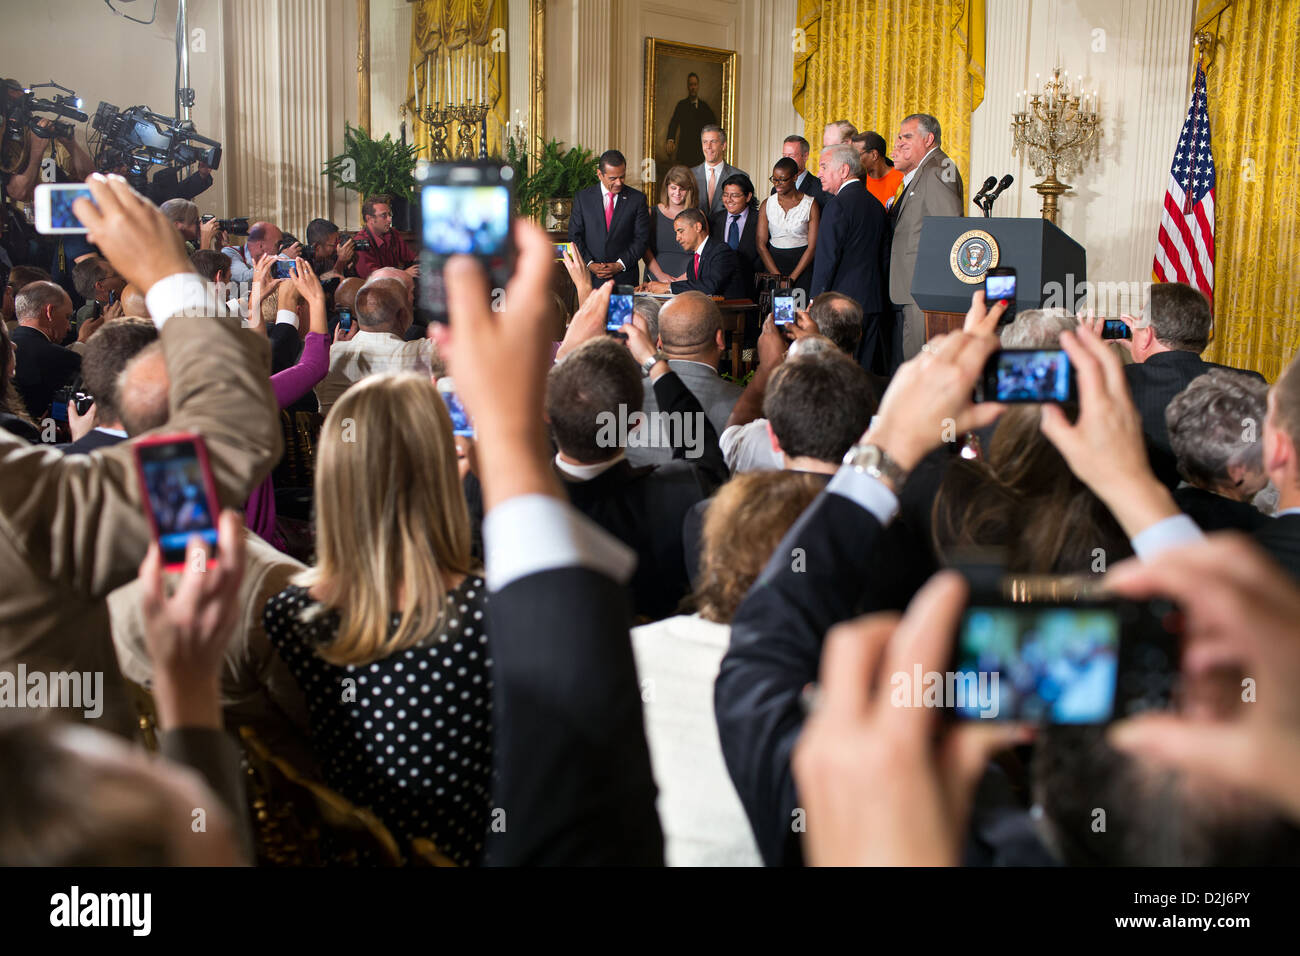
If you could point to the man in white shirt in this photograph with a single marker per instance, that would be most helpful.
(713, 172)
(382, 318)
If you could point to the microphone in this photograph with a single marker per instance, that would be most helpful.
(988, 184)
(1007, 180)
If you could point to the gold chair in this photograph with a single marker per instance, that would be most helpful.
(146, 714)
(300, 822)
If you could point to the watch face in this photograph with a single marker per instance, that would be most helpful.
(869, 457)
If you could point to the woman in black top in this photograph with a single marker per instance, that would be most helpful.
(386, 634)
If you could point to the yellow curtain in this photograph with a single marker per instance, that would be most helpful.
(872, 62)
(1255, 133)
(465, 33)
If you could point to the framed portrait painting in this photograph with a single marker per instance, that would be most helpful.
(687, 87)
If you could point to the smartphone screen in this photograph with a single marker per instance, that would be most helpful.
(1000, 283)
(282, 269)
(345, 320)
(620, 308)
(561, 248)
(783, 309)
(460, 423)
(465, 210)
(1116, 329)
(54, 213)
(1027, 377)
(179, 496)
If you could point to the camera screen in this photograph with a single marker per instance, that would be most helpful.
(999, 287)
(61, 214)
(1033, 376)
(466, 219)
(282, 269)
(1116, 329)
(783, 309)
(460, 424)
(620, 312)
(178, 497)
(1047, 665)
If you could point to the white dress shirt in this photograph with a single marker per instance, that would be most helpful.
(604, 201)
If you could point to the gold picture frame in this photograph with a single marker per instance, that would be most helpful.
(667, 65)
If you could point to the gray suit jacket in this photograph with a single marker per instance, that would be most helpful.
(715, 394)
(935, 190)
(702, 183)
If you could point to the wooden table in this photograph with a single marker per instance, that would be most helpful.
(736, 316)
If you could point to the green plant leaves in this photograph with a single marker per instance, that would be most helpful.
(373, 166)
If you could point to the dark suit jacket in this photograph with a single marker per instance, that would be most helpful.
(851, 247)
(43, 368)
(1213, 512)
(1280, 537)
(720, 272)
(1154, 383)
(90, 441)
(644, 507)
(747, 255)
(685, 128)
(702, 184)
(626, 238)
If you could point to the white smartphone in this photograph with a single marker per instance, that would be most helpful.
(54, 215)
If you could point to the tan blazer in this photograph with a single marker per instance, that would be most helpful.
(72, 528)
(935, 190)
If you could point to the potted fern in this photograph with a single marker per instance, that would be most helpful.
(556, 176)
(373, 167)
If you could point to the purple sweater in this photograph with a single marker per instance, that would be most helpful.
(288, 386)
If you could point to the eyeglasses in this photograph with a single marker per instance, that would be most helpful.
(774, 180)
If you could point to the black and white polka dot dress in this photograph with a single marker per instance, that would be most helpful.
(408, 736)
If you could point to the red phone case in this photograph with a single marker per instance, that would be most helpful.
(209, 486)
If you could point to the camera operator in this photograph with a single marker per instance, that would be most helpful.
(387, 248)
(330, 258)
(167, 184)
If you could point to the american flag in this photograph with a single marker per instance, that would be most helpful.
(1185, 246)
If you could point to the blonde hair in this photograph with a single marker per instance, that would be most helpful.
(389, 508)
(683, 177)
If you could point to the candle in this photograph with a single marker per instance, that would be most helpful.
(427, 91)
(415, 85)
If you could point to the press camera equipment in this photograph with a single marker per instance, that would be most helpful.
(23, 110)
(140, 138)
(231, 227)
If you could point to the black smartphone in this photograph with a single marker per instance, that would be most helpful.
(180, 496)
(783, 308)
(345, 320)
(1116, 329)
(112, 297)
(466, 209)
(1085, 663)
(1027, 377)
(282, 268)
(620, 308)
(1000, 283)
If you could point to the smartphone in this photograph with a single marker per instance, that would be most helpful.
(620, 308)
(1027, 377)
(180, 496)
(1085, 663)
(345, 320)
(1000, 283)
(561, 248)
(460, 423)
(783, 309)
(466, 210)
(54, 215)
(1116, 329)
(282, 268)
(112, 297)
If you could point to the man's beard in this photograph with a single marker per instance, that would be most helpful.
(1151, 817)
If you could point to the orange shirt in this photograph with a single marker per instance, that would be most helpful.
(884, 188)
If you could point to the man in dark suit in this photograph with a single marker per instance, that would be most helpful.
(688, 121)
(1280, 536)
(796, 148)
(851, 244)
(107, 354)
(737, 226)
(713, 268)
(1167, 344)
(714, 171)
(611, 223)
(43, 311)
(593, 402)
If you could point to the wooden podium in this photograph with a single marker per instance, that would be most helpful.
(1050, 266)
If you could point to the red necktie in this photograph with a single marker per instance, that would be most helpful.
(609, 210)
(697, 265)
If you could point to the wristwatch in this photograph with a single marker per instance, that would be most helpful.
(875, 461)
(652, 361)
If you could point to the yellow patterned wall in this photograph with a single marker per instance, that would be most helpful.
(873, 62)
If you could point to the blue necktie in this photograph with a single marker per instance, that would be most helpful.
(733, 233)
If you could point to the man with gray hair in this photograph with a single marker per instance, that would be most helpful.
(1167, 343)
(1216, 429)
(714, 171)
(932, 186)
(43, 365)
(851, 244)
(1037, 329)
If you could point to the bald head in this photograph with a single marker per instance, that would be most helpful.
(345, 296)
(133, 302)
(690, 327)
(263, 240)
(142, 390)
(381, 307)
(397, 275)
